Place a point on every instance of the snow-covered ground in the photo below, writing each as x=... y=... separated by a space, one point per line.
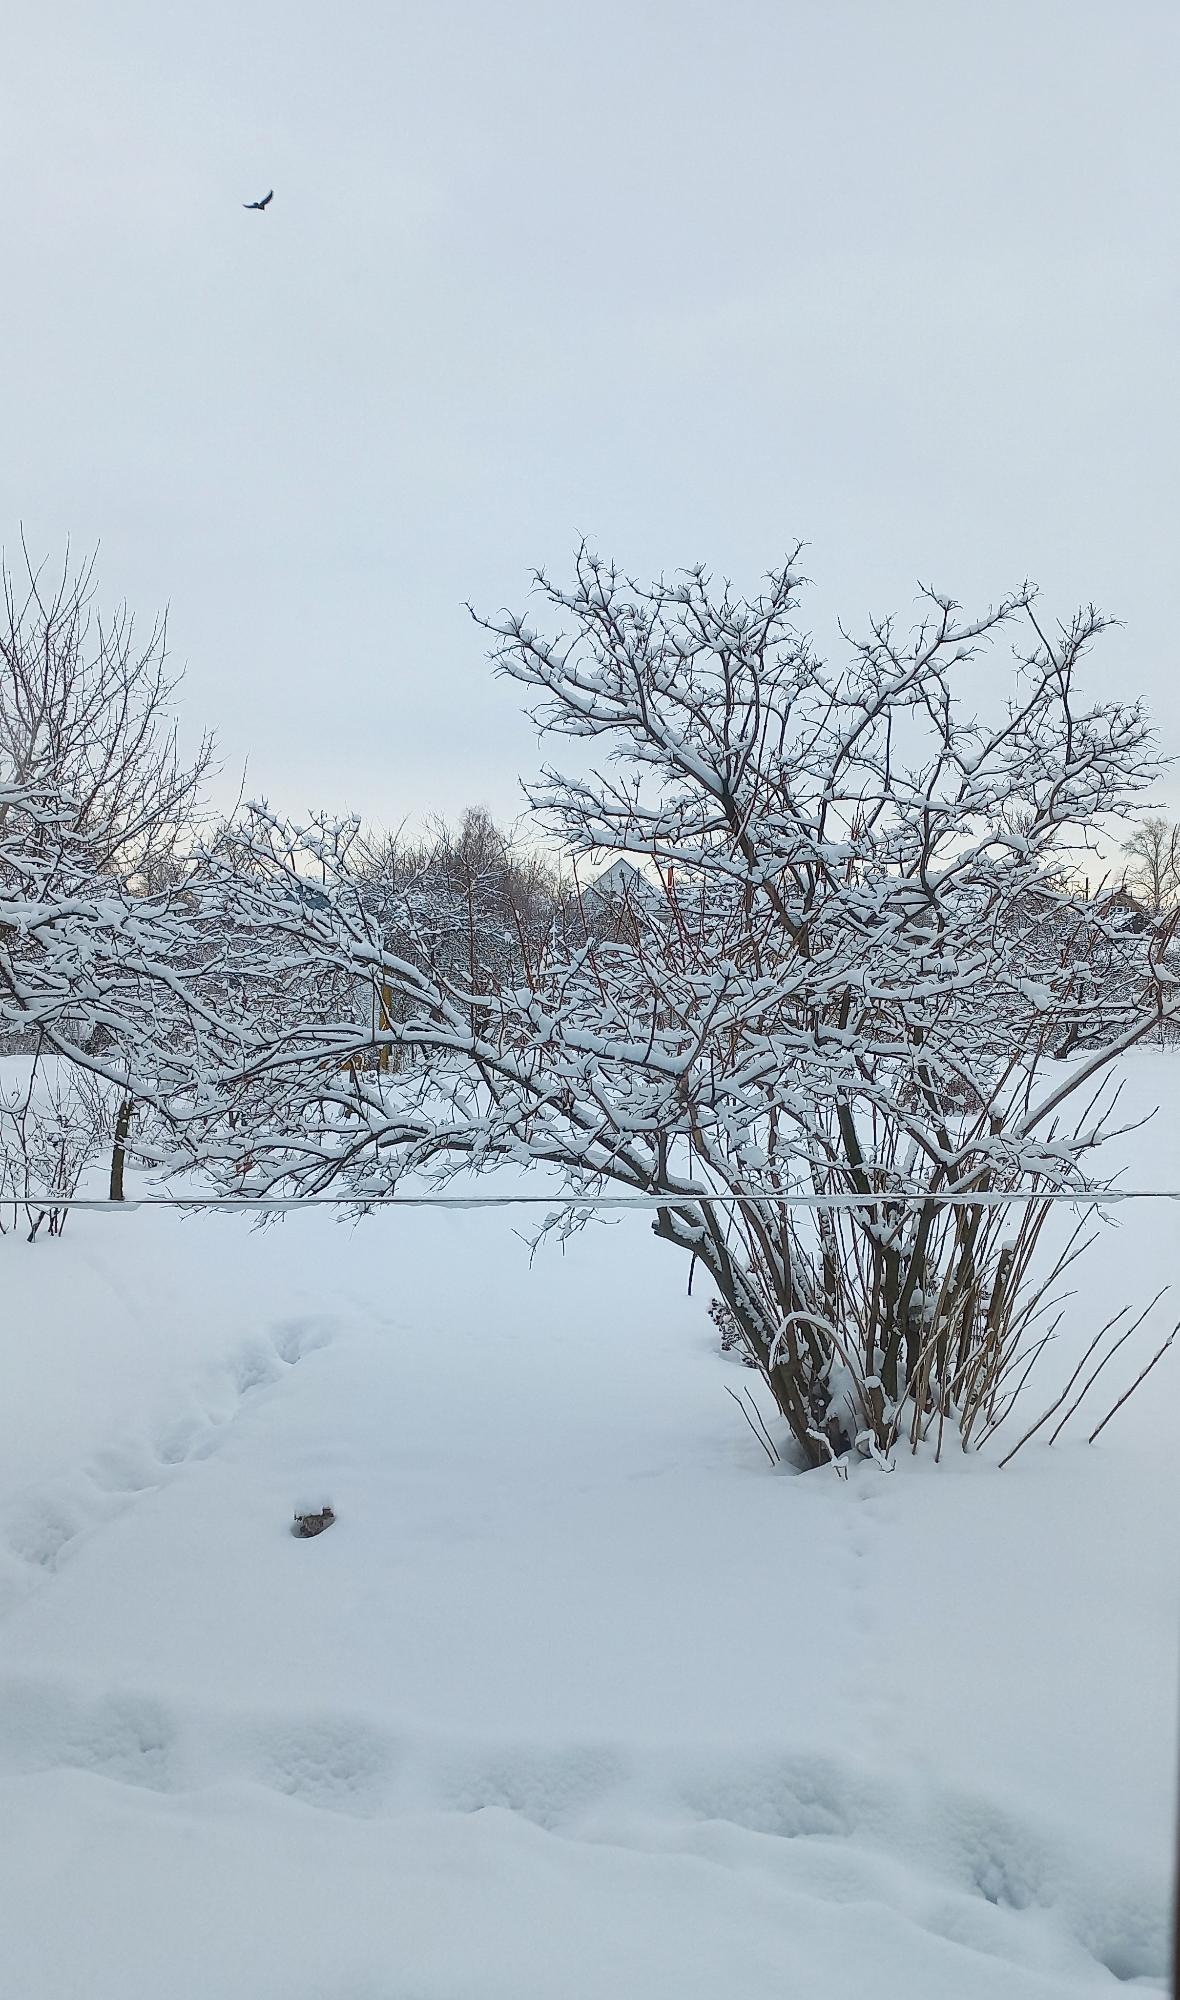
x=578 y=1697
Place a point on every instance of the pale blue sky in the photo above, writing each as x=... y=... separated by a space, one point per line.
x=900 y=279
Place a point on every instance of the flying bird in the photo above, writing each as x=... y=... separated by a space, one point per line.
x=260 y=204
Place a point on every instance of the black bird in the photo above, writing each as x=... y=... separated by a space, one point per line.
x=260 y=204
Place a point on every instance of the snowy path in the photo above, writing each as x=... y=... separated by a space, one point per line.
x=577 y=1697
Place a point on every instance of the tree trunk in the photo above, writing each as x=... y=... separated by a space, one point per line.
x=119 y=1149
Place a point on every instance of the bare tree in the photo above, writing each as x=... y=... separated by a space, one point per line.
x=1154 y=851
x=87 y=714
x=466 y=900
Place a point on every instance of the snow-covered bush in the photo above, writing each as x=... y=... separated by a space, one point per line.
x=845 y=984
x=53 y=1123
x=825 y=1042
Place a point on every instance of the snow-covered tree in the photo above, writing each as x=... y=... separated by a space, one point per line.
x=463 y=902
x=842 y=987
x=88 y=714
x=87 y=964
x=847 y=980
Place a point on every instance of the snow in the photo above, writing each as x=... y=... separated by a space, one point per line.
x=578 y=1696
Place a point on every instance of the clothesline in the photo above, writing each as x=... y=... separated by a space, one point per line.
x=989 y=1198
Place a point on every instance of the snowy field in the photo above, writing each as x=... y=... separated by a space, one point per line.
x=578 y=1697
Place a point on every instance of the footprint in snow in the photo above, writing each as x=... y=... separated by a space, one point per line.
x=40 y=1529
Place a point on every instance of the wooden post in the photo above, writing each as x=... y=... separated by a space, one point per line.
x=119 y=1149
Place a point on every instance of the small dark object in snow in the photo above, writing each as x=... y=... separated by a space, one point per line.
x=313 y=1524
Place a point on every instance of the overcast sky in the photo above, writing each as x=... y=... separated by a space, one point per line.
x=692 y=280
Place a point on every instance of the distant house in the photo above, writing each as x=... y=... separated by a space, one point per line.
x=1121 y=903
x=606 y=909
x=1107 y=952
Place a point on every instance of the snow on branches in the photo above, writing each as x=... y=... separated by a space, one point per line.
x=848 y=962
